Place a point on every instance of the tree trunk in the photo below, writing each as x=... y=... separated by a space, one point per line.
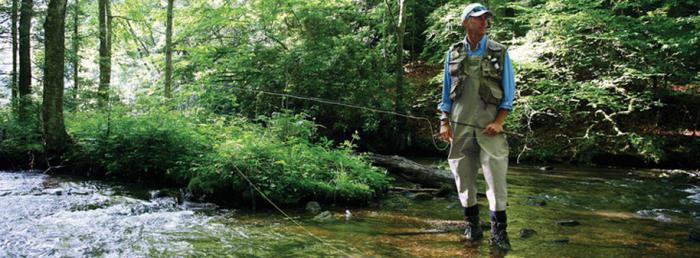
x=55 y=136
x=25 y=62
x=412 y=171
x=399 y=49
x=76 y=48
x=105 y=52
x=168 y=51
x=399 y=106
x=13 y=83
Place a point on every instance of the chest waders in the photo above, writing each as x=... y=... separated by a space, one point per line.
x=476 y=92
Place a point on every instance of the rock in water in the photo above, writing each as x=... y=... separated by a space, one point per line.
x=694 y=235
x=526 y=232
x=420 y=196
x=569 y=223
x=313 y=207
x=155 y=194
x=663 y=218
x=559 y=241
x=323 y=216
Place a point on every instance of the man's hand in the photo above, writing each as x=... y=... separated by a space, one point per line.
x=493 y=129
x=445 y=131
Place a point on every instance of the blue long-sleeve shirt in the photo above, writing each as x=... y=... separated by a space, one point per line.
x=507 y=81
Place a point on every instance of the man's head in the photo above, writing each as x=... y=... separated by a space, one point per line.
x=474 y=19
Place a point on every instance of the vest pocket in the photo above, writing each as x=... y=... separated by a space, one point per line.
x=490 y=72
x=490 y=92
x=456 y=87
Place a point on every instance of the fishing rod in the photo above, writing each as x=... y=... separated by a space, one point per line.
x=331 y=102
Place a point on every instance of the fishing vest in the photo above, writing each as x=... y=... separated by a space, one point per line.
x=476 y=93
x=490 y=88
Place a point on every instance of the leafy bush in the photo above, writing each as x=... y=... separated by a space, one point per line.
x=20 y=141
x=288 y=167
x=152 y=146
x=284 y=158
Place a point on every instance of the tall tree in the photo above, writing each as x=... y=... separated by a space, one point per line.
x=25 y=62
x=401 y=29
x=13 y=83
x=168 y=51
x=105 y=58
x=76 y=46
x=55 y=136
x=399 y=106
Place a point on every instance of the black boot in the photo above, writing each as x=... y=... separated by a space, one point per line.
x=499 y=236
x=473 y=231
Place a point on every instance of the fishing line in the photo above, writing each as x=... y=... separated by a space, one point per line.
x=375 y=110
x=285 y=214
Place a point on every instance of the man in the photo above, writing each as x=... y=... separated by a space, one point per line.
x=477 y=95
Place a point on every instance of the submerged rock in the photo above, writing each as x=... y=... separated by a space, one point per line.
x=694 y=235
x=158 y=194
x=313 y=207
x=535 y=201
x=663 y=218
x=419 y=196
x=57 y=192
x=323 y=216
x=454 y=205
x=526 y=232
x=568 y=223
x=559 y=241
x=395 y=202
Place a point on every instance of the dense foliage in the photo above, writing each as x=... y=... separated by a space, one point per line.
x=284 y=158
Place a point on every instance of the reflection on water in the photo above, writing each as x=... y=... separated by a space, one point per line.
x=620 y=215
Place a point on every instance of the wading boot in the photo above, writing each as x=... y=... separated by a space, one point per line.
x=499 y=236
x=473 y=231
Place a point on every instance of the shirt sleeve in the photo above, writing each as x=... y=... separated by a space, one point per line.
x=508 y=84
x=445 y=104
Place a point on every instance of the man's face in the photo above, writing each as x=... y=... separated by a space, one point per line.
x=476 y=25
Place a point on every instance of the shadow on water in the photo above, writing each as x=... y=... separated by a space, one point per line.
x=560 y=213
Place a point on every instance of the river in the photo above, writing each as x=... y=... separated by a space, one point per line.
x=618 y=212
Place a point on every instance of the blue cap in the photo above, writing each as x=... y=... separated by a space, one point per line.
x=475 y=10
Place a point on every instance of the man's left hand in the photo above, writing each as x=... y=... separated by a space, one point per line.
x=493 y=129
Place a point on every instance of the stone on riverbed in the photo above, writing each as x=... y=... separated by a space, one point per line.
x=155 y=194
x=526 y=232
x=694 y=235
x=663 y=218
x=323 y=216
x=568 y=223
x=536 y=201
x=419 y=196
x=313 y=207
x=559 y=241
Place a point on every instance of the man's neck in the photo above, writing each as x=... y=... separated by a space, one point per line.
x=473 y=40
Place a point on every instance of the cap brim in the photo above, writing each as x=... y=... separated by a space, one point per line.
x=480 y=13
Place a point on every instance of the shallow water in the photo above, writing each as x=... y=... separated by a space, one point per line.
x=620 y=215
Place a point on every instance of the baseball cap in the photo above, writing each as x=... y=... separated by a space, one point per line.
x=475 y=10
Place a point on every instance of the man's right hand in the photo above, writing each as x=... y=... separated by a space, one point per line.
x=445 y=131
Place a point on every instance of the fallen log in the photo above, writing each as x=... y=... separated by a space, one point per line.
x=414 y=190
x=412 y=171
